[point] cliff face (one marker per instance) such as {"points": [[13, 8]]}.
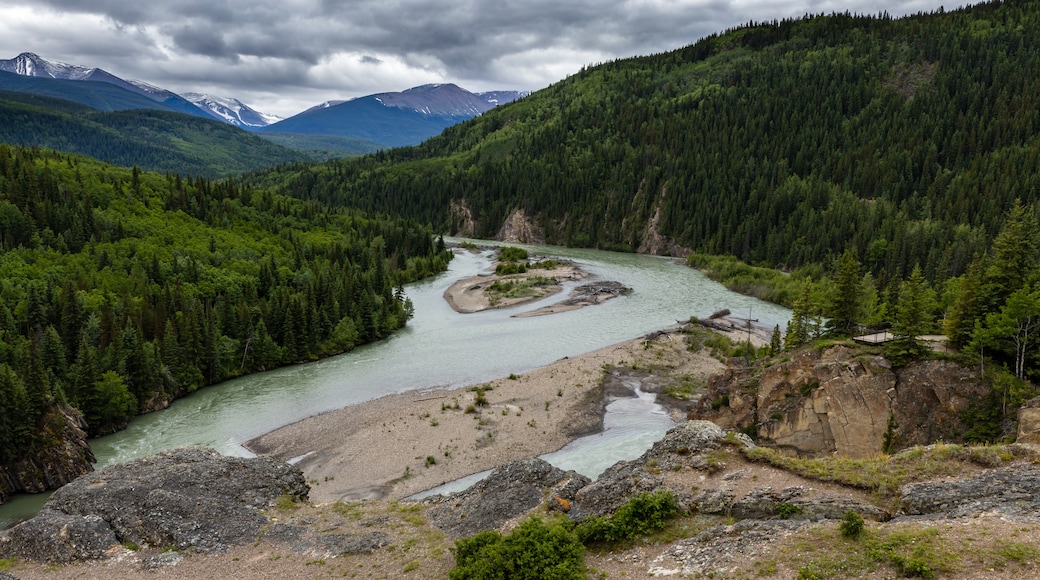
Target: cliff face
{"points": [[518, 228], [839, 400], [64, 457]]}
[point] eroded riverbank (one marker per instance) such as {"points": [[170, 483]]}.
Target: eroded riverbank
{"points": [[402, 444]]}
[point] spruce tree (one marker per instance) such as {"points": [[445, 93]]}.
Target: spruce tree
{"points": [[913, 317], [847, 297], [799, 330]]}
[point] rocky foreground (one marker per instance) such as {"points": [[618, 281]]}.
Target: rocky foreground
{"points": [[192, 513]]}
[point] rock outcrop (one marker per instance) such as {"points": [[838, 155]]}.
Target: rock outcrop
{"points": [[518, 228], [51, 466], [510, 490], [839, 400], [463, 224], [187, 498], [1012, 493], [1029, 422]]}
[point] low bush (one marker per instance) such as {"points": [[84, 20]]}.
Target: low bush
{"points": [[535, 550], [644, 514], [851, 525]]}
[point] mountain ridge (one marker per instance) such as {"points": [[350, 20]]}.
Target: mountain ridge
{"points": [[394, 119], [431, 100]]}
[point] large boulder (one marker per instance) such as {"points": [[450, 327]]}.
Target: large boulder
{"points": [[510, 490], [827, 401], [187, 498]]}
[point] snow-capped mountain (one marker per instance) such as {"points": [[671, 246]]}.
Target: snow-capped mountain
{"points": [[395, 119], [496, 98], [324, 105], [438, 99], [32, 65], [232, 110]]}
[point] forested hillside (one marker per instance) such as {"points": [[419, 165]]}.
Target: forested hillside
{"points": [[781, 143], [121, 290], [153, 140]]}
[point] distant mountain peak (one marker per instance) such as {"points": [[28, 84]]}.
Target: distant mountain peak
{"points": [[444, 99], [397, 118], [231, 110], [31, 64]]}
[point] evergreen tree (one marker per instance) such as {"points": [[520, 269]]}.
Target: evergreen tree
{"points": [[1014, 257], [845, 304], [800, 328], [913, 318], [966, 307]]}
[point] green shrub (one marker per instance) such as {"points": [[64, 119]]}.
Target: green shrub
{"points": [[851, 525], [510, 268], [511, 254], [535, 550], [787, 510], [644, 514]]}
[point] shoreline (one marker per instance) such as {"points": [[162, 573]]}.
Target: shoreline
{"points": [[401, 444]]}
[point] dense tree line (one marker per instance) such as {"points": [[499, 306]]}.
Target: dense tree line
{"points": [[121, 289], [781, 143]]}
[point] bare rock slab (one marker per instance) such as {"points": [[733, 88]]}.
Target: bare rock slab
{"points": [[190, 498]]}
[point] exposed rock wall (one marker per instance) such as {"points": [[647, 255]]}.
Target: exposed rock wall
{"points": [[51, 466], [462, 219], [518, 228], [1029, 422], [840, 400]]}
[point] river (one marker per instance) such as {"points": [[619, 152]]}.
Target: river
{"points": [[439, 347]]}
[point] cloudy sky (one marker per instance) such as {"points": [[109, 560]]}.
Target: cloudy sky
{"points": [[283, 56]]}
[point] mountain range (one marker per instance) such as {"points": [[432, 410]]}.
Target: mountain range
{"points": [[394, 119], [368, 123]]}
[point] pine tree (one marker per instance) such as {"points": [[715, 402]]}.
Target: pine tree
{"points": [[1014, 258], [847, 298], [966, 307], [913, 317], [799, 330]]}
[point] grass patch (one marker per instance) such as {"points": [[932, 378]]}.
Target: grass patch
{"points": [[765, 283], [908, 551], [885, 474], [685, 389], [286, 502], [518, 288], [350, 511]]}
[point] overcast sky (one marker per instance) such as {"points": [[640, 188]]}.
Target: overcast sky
{"points": [[283, 56]]}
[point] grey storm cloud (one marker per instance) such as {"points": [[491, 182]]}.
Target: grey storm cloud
{"points": [[277, 46]]}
